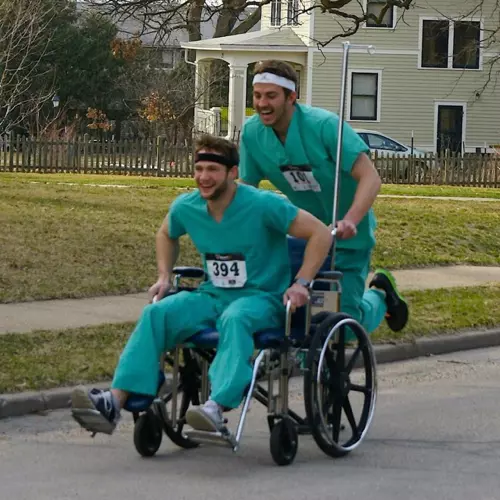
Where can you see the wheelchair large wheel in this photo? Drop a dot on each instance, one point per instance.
(148, 433)
(335, 376)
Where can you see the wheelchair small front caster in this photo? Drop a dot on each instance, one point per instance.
(284, 442)
(148, 433)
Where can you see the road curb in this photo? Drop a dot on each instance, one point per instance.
(16, 405)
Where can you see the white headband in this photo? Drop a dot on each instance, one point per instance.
(272, 78)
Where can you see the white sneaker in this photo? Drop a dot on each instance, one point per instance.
(207, 417)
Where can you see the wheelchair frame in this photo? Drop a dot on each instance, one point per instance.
(152, 417)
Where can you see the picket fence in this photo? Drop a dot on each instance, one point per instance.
(159, 158)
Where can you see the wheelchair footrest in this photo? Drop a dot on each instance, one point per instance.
(219, 438)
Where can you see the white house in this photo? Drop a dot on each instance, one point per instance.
(427, 76)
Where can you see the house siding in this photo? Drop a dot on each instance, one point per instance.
(408, 97)
(406, 33)
(302, 28)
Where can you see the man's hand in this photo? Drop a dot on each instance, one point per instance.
(159, 289)
(298, 296)
(346, 229)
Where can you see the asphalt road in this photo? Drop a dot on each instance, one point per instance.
(436, 435)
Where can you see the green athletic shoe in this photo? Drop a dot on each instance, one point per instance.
(397, 307)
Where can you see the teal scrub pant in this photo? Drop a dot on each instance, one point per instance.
(174, 319)
(367, 307)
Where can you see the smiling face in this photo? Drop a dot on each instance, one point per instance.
(212, 178)
(272, 103)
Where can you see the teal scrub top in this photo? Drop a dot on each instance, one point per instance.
(247, 251)
(303, 169)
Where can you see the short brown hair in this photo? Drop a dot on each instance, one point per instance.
(279, 68)
(220, 145)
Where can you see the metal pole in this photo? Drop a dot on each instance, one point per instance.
(343, 84)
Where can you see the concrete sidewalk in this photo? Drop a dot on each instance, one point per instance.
(73, 313)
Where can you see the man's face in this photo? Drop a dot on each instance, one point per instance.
(213, 178)
(271, 104)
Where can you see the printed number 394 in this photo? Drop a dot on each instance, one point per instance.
(223, 269)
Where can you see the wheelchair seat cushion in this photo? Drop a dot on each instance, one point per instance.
(264, 339)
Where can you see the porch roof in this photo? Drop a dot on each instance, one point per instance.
(273, 39)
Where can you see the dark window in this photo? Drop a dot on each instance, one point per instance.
(276, 13)
(292, 12)
(364, 92)
(435, 44)
(375, 7)
(466, 42)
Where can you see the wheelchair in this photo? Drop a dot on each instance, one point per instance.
(330, 348)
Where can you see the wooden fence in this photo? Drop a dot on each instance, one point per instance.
(159, 158)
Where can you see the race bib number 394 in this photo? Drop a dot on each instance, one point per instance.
(226, 270)
(300, 178)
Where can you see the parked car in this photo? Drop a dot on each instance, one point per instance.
(386, 146)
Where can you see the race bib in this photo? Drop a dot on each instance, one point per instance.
(226, 270)
(300, 178)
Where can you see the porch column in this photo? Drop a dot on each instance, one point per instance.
(237, 98)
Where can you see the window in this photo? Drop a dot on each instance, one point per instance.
(364, 96)
(466, 45)
(450, 44)
(375, 7)
(376, 141)
(276, 13)
(292, 13)
(435, 36)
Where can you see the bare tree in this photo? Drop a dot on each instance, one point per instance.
(24, 42)
(164, 101)
(231, 17)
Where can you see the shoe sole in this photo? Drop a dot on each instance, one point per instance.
(84, 412)
(393, 322)
(199, 421)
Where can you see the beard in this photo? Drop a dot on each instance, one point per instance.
(218, 191)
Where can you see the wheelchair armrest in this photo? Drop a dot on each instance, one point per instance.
(190, 272)
(329, 275)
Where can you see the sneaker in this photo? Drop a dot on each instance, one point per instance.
(95, 410)
(207, 417)
(397, 308)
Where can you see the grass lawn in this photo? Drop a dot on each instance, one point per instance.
(60, 240)
(155, 182)
(89, 355)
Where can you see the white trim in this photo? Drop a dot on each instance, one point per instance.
(385, 52)
(380, 28)
(451, 33)
(461, 104)
(309, 75)
(379, 94)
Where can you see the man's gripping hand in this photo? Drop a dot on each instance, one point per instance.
(298, 296)
(346, 229)
(159, 289)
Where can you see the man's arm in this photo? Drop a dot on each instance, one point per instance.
(369, 183)
(319, 241)
(167, 252)
(248, 168)
(357, 163)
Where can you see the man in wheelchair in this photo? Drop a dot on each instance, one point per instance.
(241, 234)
